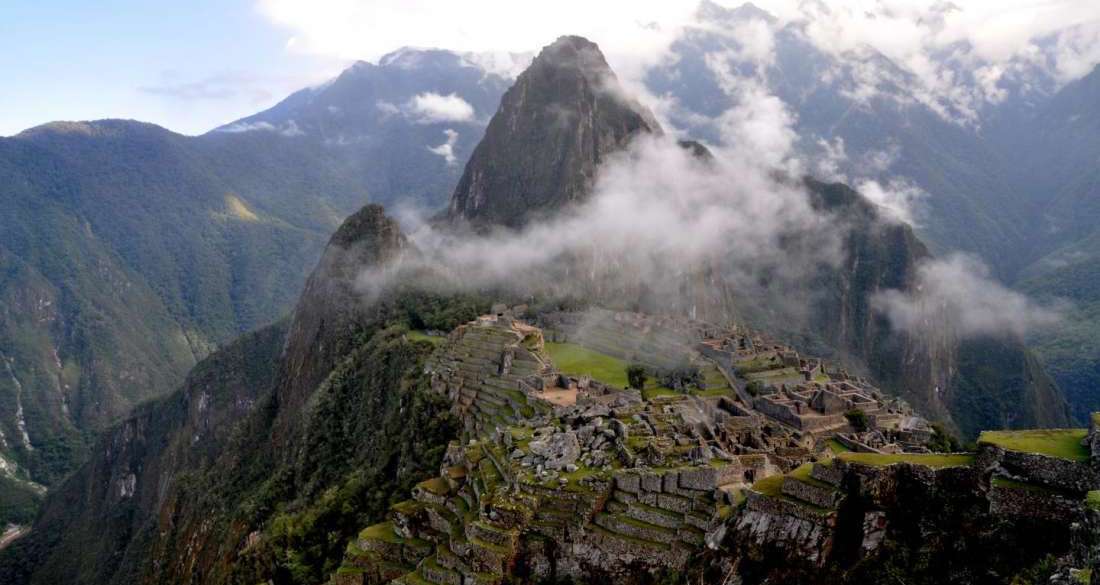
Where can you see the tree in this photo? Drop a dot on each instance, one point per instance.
(682, 378)
(858, 419)
(943, 441)
(755, 388)
(636, 376)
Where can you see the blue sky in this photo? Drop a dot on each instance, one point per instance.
(187, 65)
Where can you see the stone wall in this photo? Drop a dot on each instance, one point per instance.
(1054, 472)
(1014, 501)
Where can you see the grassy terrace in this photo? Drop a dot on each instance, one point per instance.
(769, 486)
(435, 485)
(421, 336)
(1004, 482)
(933, 460)
(383, 532)
(1063, 443)
(802, 474)
(772, 486)
(836, 447)
(577, 360)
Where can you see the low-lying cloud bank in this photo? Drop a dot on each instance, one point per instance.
(959, 290)
(658, 218)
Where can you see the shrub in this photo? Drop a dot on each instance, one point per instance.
(943, 441)
(755, 388)
(680, 378)
(857, 418)
(636, 376)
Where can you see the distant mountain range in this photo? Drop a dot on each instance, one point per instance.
(1013, 179)
(128, 252)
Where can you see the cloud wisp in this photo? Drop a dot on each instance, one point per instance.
(657, 219)
(959, 291)
(447, 149)
(430, 108)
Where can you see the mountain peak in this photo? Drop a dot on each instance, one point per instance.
(710, 12)
(565, 114)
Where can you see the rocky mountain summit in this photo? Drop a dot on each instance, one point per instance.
(565, 114)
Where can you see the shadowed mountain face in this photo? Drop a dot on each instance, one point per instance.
(128, 252)
(542, 148)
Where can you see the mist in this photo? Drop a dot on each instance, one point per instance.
(960, 290)
(658, 217)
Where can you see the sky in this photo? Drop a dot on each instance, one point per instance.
(188, 66)
(191, 66)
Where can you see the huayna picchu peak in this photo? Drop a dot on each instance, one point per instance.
(440, 321)
(564, 116)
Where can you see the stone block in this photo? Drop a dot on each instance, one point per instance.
(628, 482)
(651, 482)
(703, 479)
(674, 503)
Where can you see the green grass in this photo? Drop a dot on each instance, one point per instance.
(933, 460)
(571, 358)
(1062, 443)
(576, 360)
(421, 336)
(836, 447)
(1004, 482)
(772, 487)
(383, 532)
(435, 485)
(651, 392)
(769, 486)
(802, 474)
(758, 364)
(773, 374)
(1092, 500)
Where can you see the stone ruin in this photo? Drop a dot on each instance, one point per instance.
(627, 482)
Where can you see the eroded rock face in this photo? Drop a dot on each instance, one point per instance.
(562, 118)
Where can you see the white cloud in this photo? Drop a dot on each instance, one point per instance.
(899, 199)
(290, 129)
(248, 127)
(430, 108)
(958, 291)
(447, 149)
(658, 218)
(635, 33)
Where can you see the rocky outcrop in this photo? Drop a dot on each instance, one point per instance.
(564, 116)
(334, 307)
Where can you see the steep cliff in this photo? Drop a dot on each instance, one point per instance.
(565, 114)
(972, 382)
